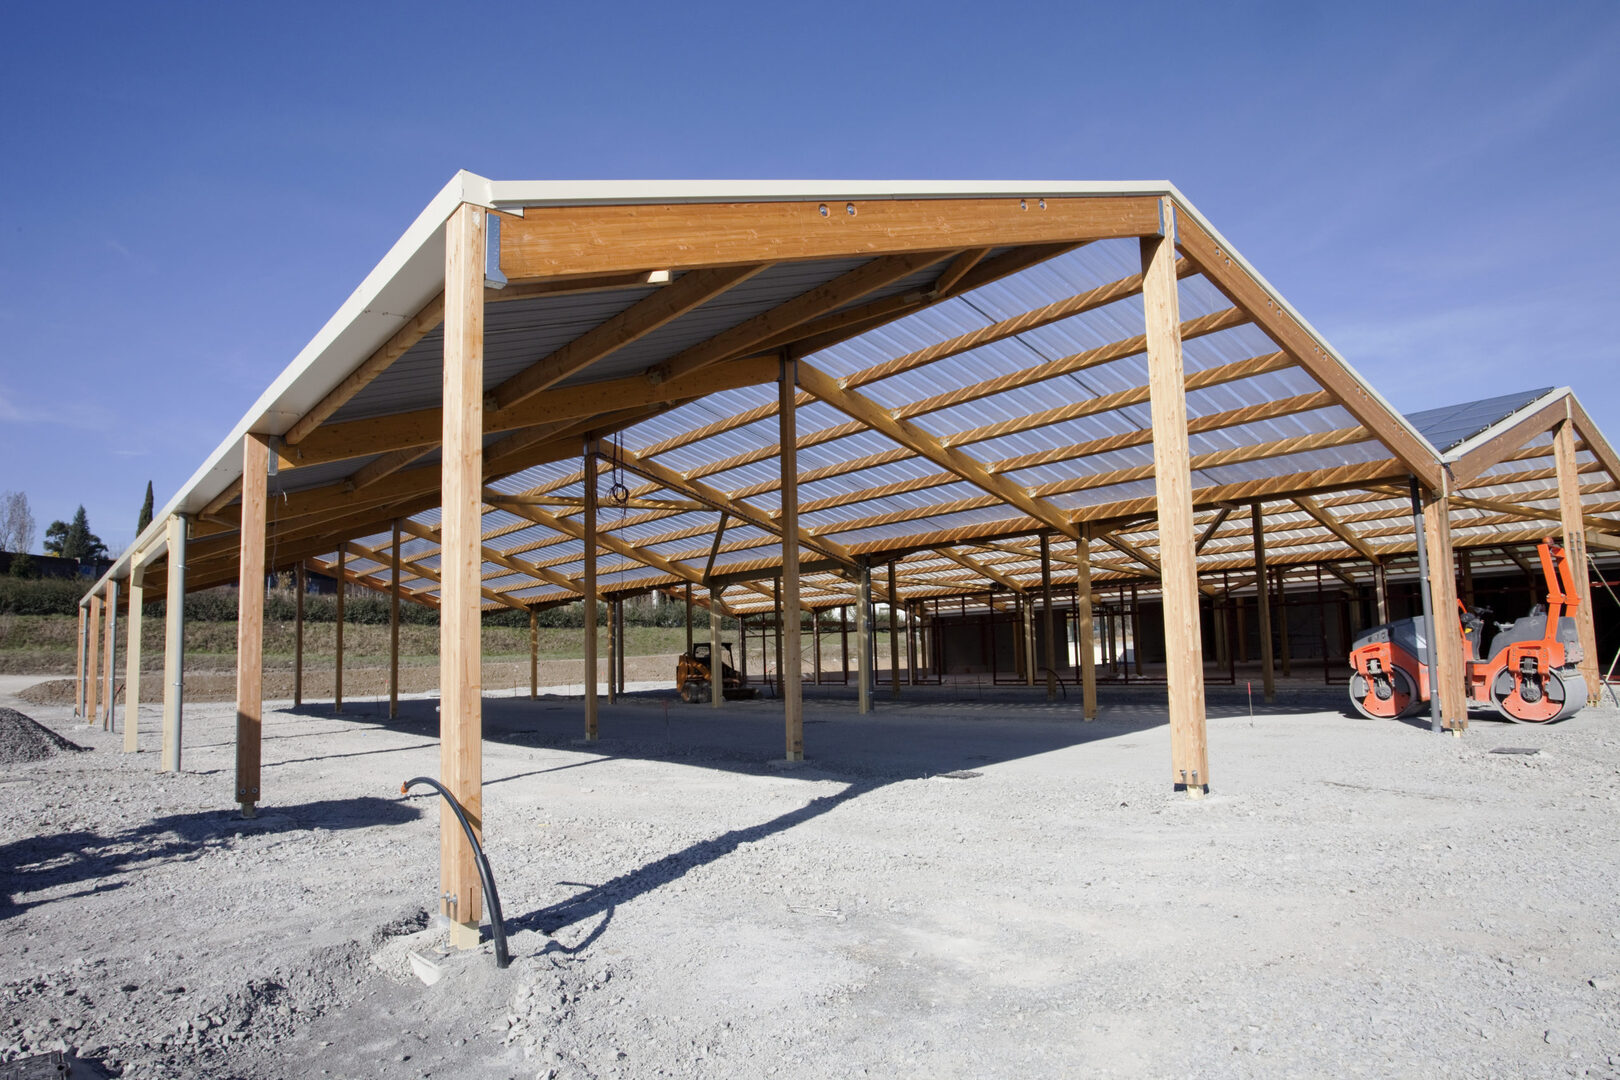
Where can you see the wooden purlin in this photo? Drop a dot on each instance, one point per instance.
(1229, 276)
(1334, 525)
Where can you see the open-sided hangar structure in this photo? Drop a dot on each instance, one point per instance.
(924, 388)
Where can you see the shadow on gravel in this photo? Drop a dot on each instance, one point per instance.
(604, 898)
(77, 858)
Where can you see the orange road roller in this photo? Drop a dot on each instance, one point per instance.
(1529, 677)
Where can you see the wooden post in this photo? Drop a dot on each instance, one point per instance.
(1136, 630)
(688, 619)
(1447, 682)
(589, 582)
(337, 666)
(1381, 589)
(300, 586)
(1574, 532)
(1262, 603)
(1026, 606)
(717, 682)
(619, 670)
(250, 621)
(174, 646)
(911, 645)
(613, 651)
(1051, 631)
(79, 689)
(815, 635)
(843, 639)
(132, 661)
(792, 661)
(393, 630)
(1466, 565)
(92, 707)
(894, 636)
(1088, 645)
(863, 643)
(1282, 625)
(460, 568)
(1178, 554)
(111, 685)
(776, 642)
(534, 654)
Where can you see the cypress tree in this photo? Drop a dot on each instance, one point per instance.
(146, 511)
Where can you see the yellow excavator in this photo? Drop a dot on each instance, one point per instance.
(692, 676)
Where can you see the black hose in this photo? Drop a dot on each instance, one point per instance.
(496, 924)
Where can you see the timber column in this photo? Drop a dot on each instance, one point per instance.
(461, 566)
(789, 671)
(250, 622)
(174, 646)
(112, 652)
(78, 697)
(1178, 553)
(589, 583)
(92, 681)
(1574, 529)
(1447, 684)
(132, 662)
(1088, 645)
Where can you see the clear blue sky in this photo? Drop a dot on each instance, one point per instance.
(190, 191)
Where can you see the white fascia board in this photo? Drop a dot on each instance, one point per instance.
(1516, 417)
(1215, 234)
(407, 277)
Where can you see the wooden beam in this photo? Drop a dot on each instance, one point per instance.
(861, 408)
(1209, 530)
(1229, 276)
(844, 289)
(571, 241)
(1468, 468)
(690, 292)
(957, 269)
(1178, 572)
(1573, 526)
(1335, 526)
(984, 570)
(420, 427)
(250, 621)
(460, 598)
(674, 481)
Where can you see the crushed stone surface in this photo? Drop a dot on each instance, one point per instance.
(1352, 899)
(22, 739)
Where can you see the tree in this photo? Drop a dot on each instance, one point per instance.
(75, 540)
(17, 523)
(146, 511)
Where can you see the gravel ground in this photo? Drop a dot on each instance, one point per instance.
(1353, 899)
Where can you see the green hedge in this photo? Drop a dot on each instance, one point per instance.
(60, 596)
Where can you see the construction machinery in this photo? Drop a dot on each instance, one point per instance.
(1528, 675)
(692, 676)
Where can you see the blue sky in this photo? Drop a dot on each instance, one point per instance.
(187, 192)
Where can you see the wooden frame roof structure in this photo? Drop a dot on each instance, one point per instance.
(549, 391)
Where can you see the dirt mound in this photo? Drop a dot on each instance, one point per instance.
(24, 739)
